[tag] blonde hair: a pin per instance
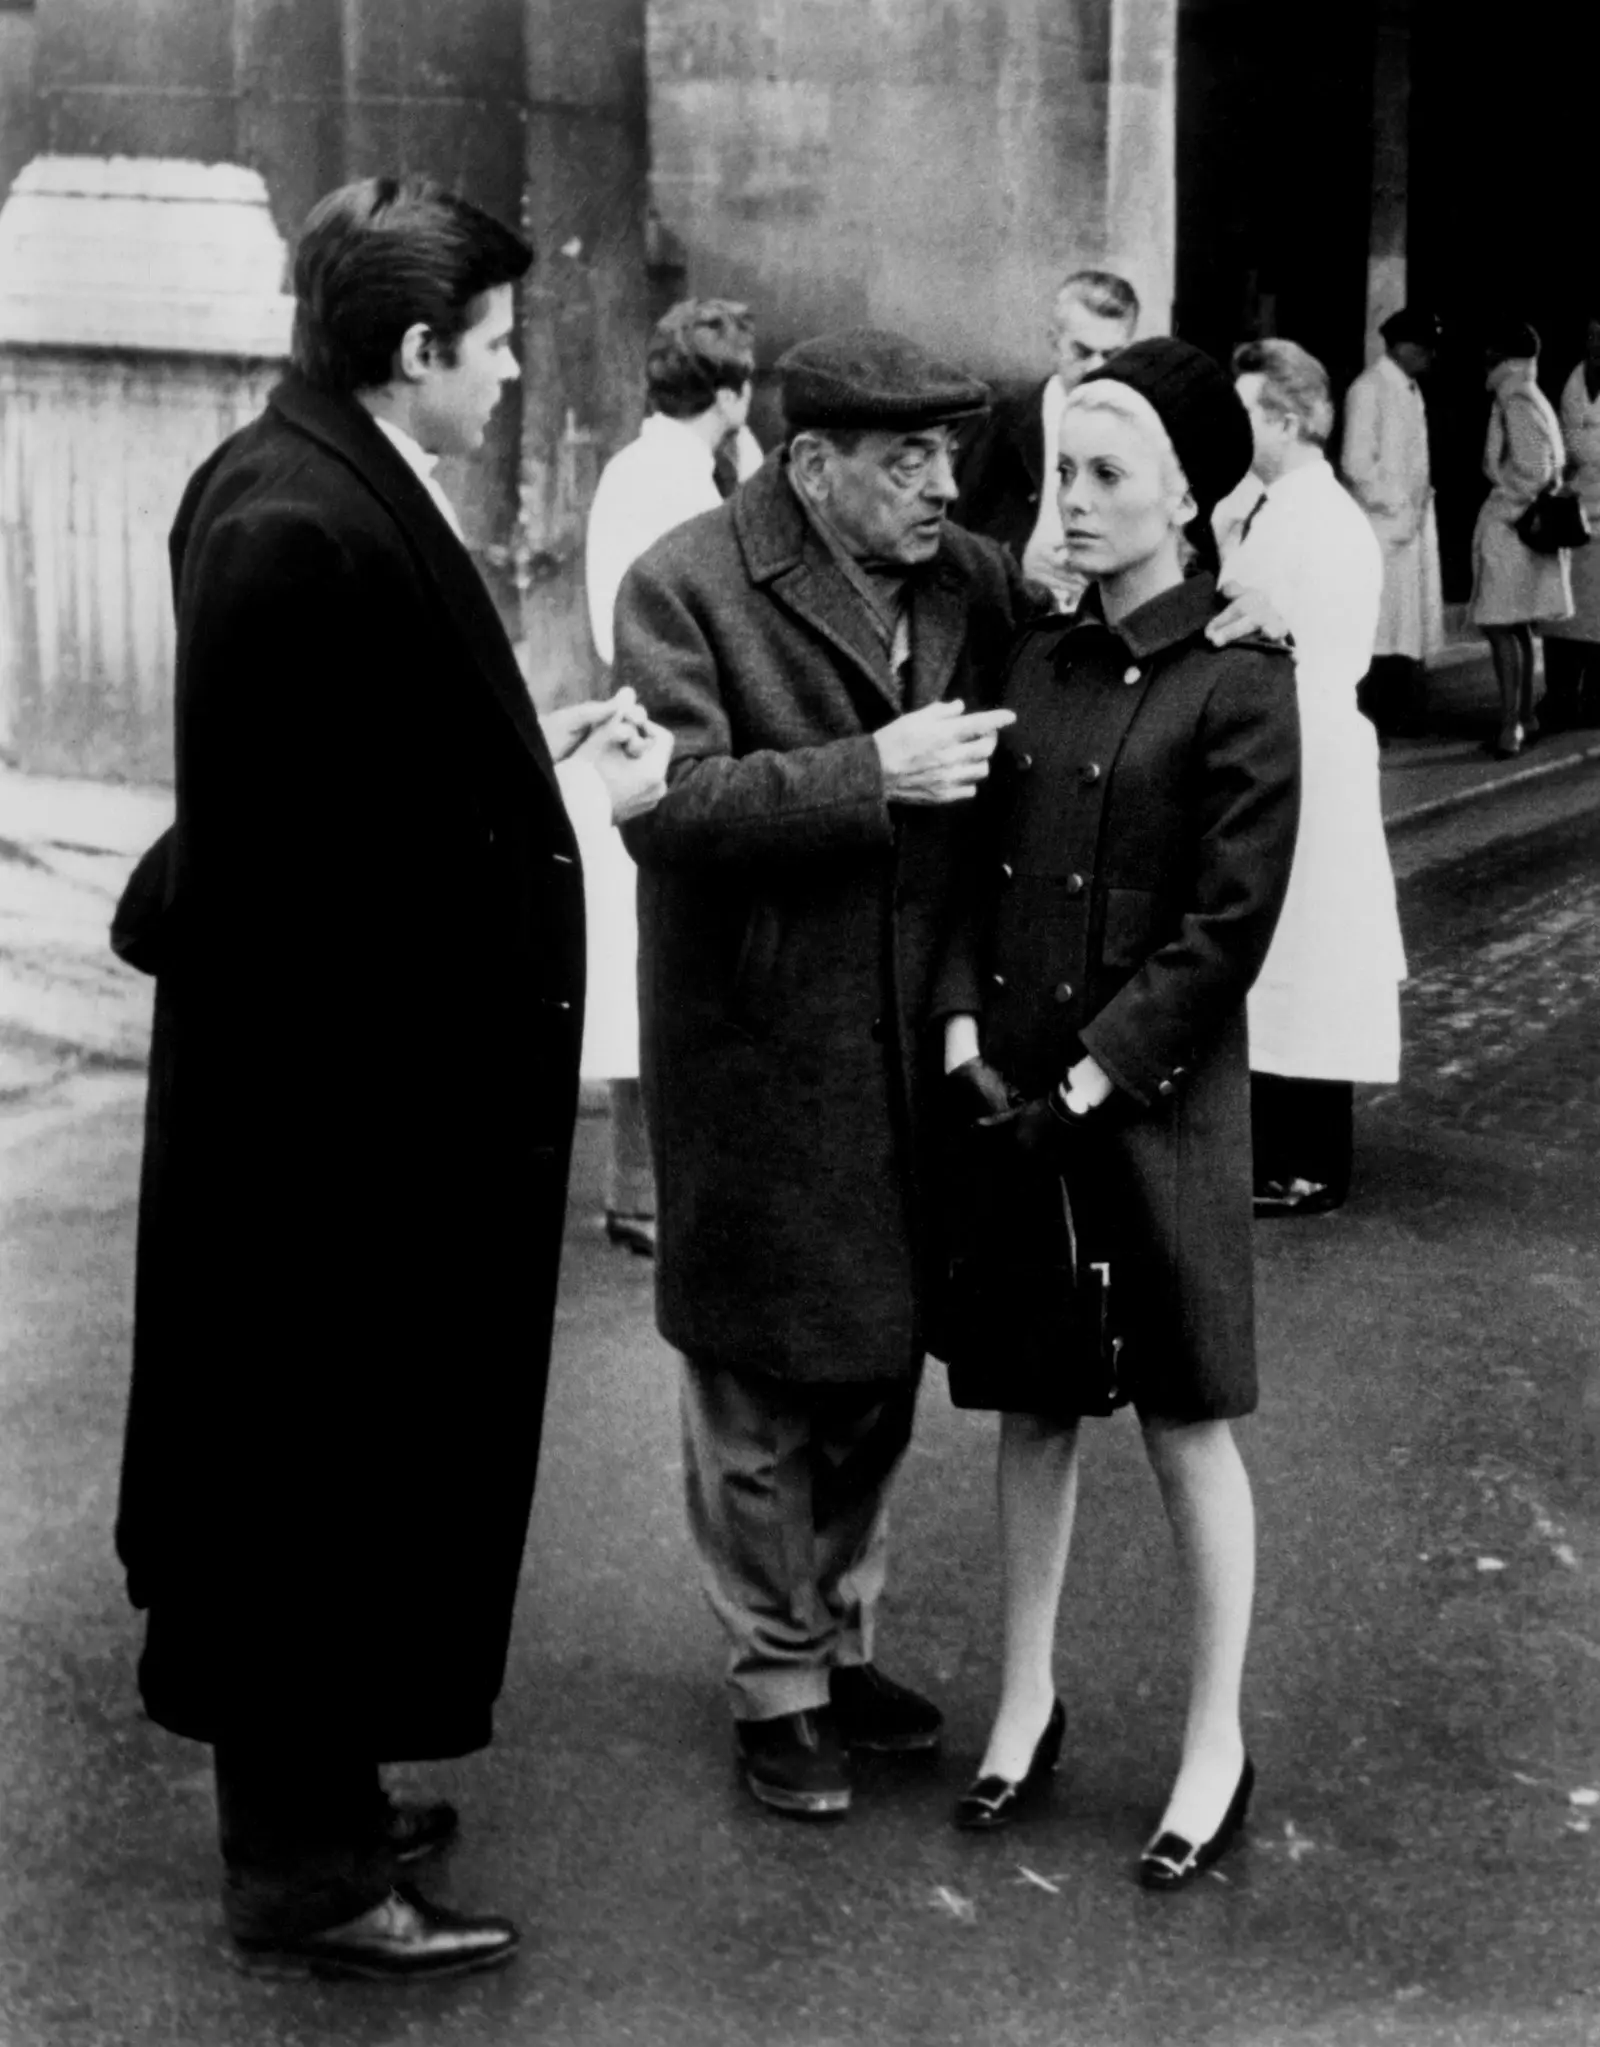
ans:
(1105, 394)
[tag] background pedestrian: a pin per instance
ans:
(1572, 645)
(1513, 588)
(1386, 462)
(1325, 1009)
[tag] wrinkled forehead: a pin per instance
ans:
(1075, 319)
(884, 446)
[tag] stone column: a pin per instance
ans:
(914, 164)
(586, 308)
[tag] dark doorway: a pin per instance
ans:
(1502, 214)
(1274, 152)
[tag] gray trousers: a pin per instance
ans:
(630, 1183)
(786, 1491)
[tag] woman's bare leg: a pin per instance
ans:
(1037, 1482)
(1206, 1491)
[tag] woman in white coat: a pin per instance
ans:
(1572, 645)
(1514, 589)
(1325, 1010)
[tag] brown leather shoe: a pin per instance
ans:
(402, 1939)
(414, 1829)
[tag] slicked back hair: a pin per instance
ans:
(1107, 296)
(1294, 385)
(381, 255)
(699, 347)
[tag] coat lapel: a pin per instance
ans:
(938, 632)
(782, 552)
(347, 431)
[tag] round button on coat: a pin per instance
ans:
(1130, 675)
(1062, 991)
(1074, 884)
(1089, 773)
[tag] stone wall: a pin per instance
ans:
(924, 166)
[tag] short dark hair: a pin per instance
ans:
(379, 256)
(1108, 296)
(699, 347)
(1294, 385)
(1511, 341)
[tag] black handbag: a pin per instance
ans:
(1027, 1301)
(1555, 520)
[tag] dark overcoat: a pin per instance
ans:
(362, 1089)
(789, 919)
(1129, 862)
(1001, 470)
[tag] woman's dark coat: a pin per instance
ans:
(1129, 863)
(789, 922)
(362, 1087)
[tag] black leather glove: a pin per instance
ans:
(975, 1094)
(1044, 1128)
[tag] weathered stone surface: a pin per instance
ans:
(149, 253)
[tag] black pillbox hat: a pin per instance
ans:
(1195, 401)
(866, 377)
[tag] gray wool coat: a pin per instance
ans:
(789, 922)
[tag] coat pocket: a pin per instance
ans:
(1137, 922)
(753, 999)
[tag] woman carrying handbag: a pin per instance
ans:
(1132, 852)
(1515, 587)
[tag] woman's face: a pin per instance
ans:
(1120, 503)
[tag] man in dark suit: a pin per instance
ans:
(1006, 471)
(369, 960)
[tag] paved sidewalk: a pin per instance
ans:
(1452, 767)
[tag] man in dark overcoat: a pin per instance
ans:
(369, 953)
(811, 646)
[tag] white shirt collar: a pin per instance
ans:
(683, 442)
(422, 465)
(1307, 476)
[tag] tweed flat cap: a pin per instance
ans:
(1195, 400)
(866, 377)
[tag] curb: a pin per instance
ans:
(1458, 799)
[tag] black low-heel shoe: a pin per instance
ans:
(1170, 1861)
(991, 1802)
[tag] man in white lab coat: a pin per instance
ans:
(1385, 461)
(698, 376)
(1325, 1010)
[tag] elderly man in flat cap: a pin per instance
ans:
(820, 647)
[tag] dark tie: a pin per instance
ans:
(1251, 517)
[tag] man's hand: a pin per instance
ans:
(566, 730)
(632, 763)
(938, 754)
(1250, 615)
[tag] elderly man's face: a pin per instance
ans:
(887, 498)
(1082, 340)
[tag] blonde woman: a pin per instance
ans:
(1137, 839)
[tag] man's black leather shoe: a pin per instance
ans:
(413, 1829)
(402, 1939)
(879, 1716)
(794, 1763)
